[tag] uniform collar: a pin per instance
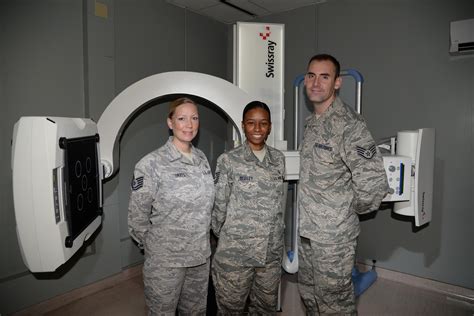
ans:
(250, 156)
(174, 154)
(335, 106)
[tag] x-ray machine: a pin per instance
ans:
(59, 163)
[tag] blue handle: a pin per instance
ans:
(353, 73)
(298, 80)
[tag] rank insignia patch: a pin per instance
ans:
(137, 183)
(366, 153)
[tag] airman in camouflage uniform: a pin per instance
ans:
(169, 217)
(248, 220)
(341, 175)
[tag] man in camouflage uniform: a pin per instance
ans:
(341, 175)
(169, 217)
(248, 220)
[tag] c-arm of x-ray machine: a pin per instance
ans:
(59, 164)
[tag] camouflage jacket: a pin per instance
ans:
(248, 210)
(341, 175)
(170, 206)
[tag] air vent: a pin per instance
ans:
(466, 47)
(462, 37)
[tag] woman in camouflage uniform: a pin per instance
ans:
(169, 217)
(248, 220)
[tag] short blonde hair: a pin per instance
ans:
(178, 102)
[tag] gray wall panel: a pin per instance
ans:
(44, 44)
(149, 39)
(205, 48)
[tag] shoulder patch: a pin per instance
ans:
(137, 183)
(368, 153)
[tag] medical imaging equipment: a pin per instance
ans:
(50, 230)
(57, 164)
(57, 188)
(410, 172)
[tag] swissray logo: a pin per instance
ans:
(266, 33)
(270, 52)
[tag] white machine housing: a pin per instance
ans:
(292, 164)
(259, 70)
(419, 145)
(45, 202)
(113, 120)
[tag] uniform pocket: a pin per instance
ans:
(323, 153)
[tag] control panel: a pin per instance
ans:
(398, 170)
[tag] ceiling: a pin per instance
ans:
(231, 11)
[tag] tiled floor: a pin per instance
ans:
(123, 299)
(385, 297)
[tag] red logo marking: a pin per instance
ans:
(265, 34)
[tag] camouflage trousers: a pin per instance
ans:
(324, 277)
(235, 284)
(169, 289)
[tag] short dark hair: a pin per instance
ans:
(256, 105)
(321, 57)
